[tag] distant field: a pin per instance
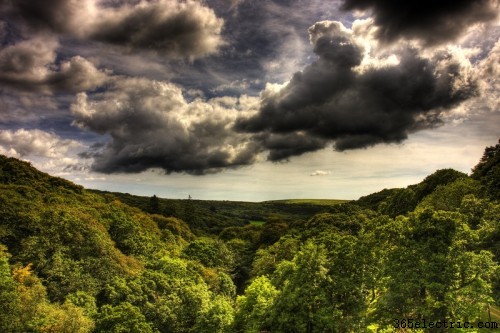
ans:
(319, 202)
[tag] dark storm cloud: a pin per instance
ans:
(76, 74)
(30, 65)
(338, 99)
(24, 64)
(52, 15)
(173, 28)
(428, 20)
(152, 126)
(282, 146)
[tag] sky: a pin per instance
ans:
(249, 100)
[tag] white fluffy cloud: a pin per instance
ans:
(319, 173)
(47, 151)
(38, 143)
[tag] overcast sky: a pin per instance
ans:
(249, 99)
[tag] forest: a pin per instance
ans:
(79, 260)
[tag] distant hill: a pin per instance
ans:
(315, 202)
(399, 201)
(16, 172)
(214, 215)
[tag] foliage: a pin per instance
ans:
(73, 260)
(303, 304)
(218, 318)
(394, 202)
(175, 226)
(122, 318)
(449, 197)
(433, 272)
(372, 201)
(253, 308)
(25, 307)
(16, 172)
(9, 297)
(400, 202)
(209, 252)
(440, 177)
(266, 260)
(213, 217)
(487, 171)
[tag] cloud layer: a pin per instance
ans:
(164, 84)
(355, 100)
(152, 126)
(30, 65)
(23, 143)
(173, 28)
(431, 21)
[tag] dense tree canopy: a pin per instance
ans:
(73, 260)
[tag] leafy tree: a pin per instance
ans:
(9, 297)
(400, 202)
(179, 306)
(219, 282)
(81, 261)
(332, 222)
(432, 272)
(267, 259)
(134, 232)
(487, 171)
(350, 276)
(489, 235)
(154, 204)
(474, 209)
(373, 201)
(171, 294)
(66, 318)
(71, 250)
(176, 226)
(250, 233)
(84, 301)
(449, 197)
(254, 306)
(209, 252)
(440, 177)
(36, 314)
(272, 231)
(303, 304)
(218, 318)
(122, 318)
(489, 229)
(378, 236)
(244, 253)
(14, 171)
(324, 287)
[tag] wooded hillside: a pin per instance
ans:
(76, 260)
